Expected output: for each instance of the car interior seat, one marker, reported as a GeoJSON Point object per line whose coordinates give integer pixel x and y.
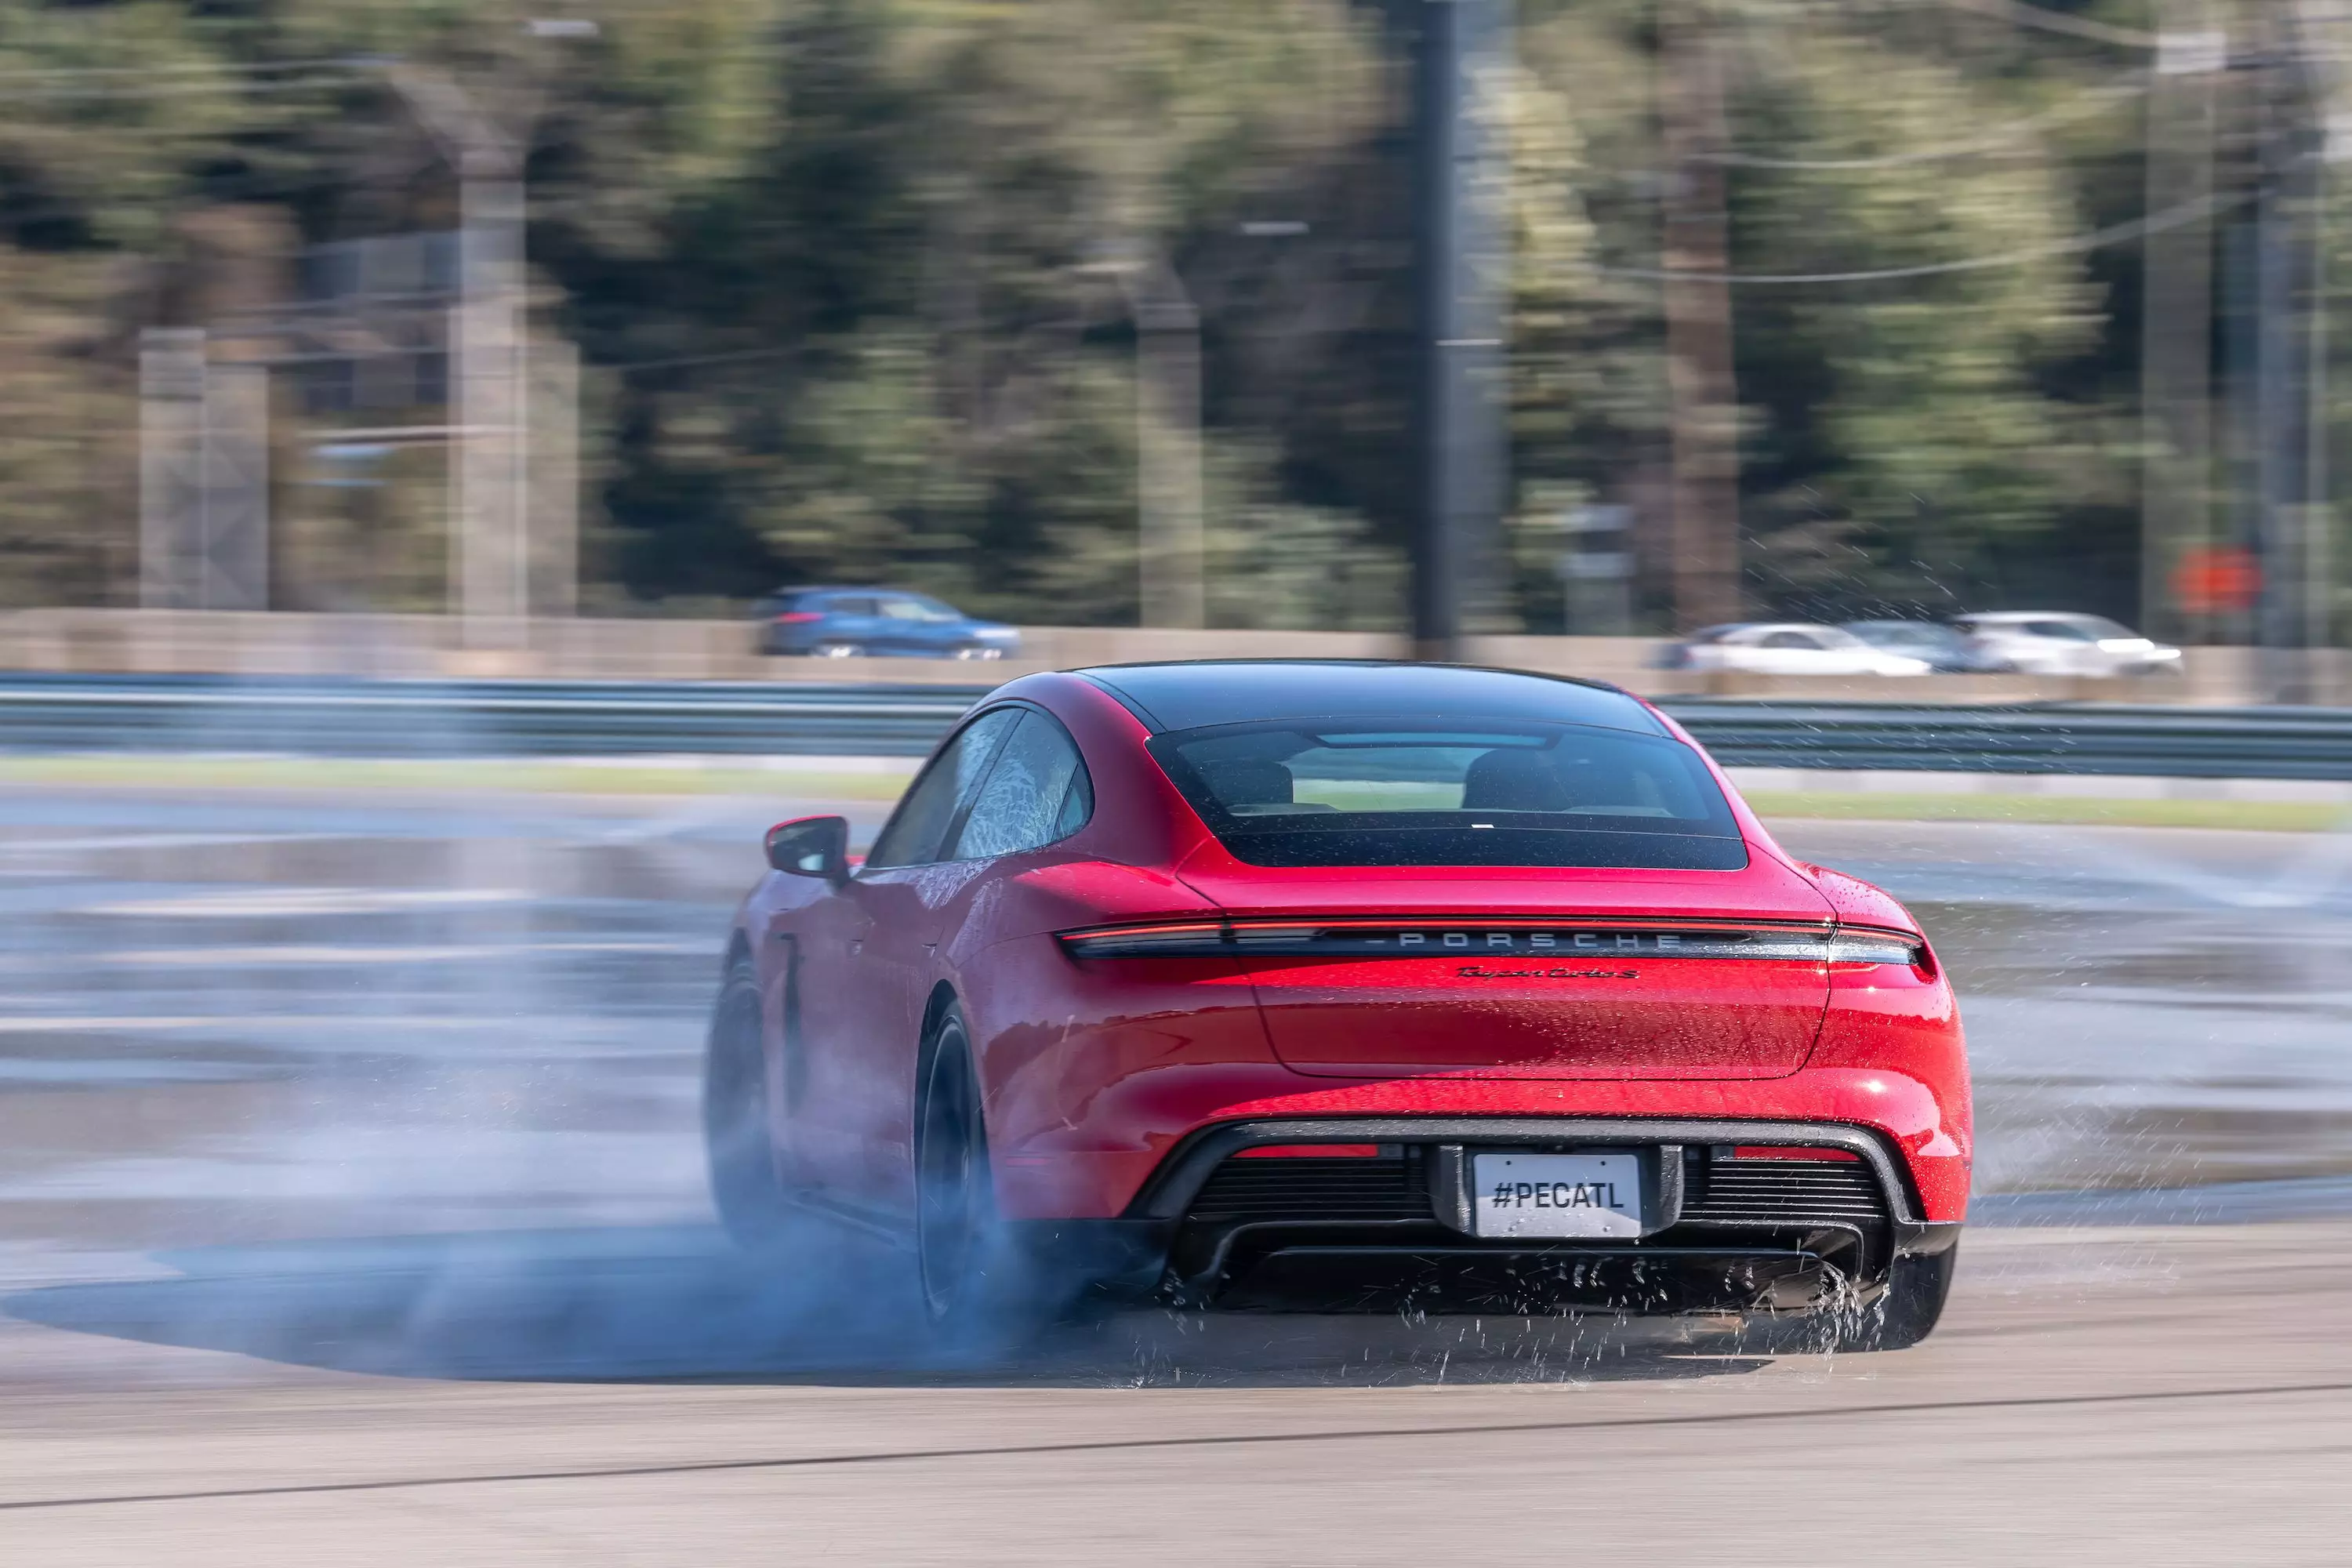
{"type": "Point", "coordinates": [1514, 780]}
{"type": "Point", "coordinates": [1254, 786]}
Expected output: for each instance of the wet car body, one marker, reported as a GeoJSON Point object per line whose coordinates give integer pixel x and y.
{"type": "Point", "coordinates": [1242, 1031]}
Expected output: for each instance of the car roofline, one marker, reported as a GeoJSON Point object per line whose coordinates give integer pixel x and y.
{"type": "Point", "coordinates": [1582, 681]}
{"type": "Point", "coordinates": [1095, 675]}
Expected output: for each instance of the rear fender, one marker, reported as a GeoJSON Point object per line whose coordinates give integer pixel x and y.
{"type": "Point", "coordinates": [1077, 1061]}
{"type": "Point", "coordinates": [1894, 1031]}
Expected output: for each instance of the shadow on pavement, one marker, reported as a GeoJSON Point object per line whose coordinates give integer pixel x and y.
{"type": "Point", "coordinates": [679, 1304]}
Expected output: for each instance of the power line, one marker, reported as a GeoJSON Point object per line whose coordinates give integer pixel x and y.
{"type": "Point", "coordinates": [191, 67]}
{"type": "Point", "coordinates": [2058, 22]}
{"type": "Point", "coordinates": [2119, 234]}
{"type": "Point", "coordinates": [630, 367]}
{"type": "Point", "coordinates": [111, 93]}
{"type": "Point", "coordinates": [211, 191]}
{"type": "Point", "coordinates": [2000, 136]}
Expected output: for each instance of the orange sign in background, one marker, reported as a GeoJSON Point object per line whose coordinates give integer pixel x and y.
{"type": "Point", "coordinates": [2216, 580]}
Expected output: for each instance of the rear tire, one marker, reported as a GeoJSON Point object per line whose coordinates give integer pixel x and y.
{"type": "Point", "coordinates": [735, 1133]}
{"type": "Point", "coordinates": [965, 1270]}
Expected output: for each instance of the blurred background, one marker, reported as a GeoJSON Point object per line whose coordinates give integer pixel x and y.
{"type": "Point", "coordinates": [1611, 318]}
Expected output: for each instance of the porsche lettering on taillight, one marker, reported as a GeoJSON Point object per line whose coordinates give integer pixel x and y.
{"type": "Point", "coordinates": [1517, 938]}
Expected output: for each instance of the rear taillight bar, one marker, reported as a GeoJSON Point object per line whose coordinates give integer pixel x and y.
{"type": "Point", "coordinates": [1316, 1151]}
{"type": "Point", "coordinates": [1786, 1151]}
{"type": "Point", "coordinates": [1517, 938]}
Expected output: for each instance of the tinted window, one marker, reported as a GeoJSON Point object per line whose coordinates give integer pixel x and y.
{"type": "Point", "coordinates": [2060, 631]}
{"type": "Point", "coordinates": [844, 606]}
{"type": "Point", "coordinates": [924, 818]}
{"type": "Point", "coordinates": [1791, 639]}
{"type": "Point", "coordinates": [904, 609]}
{"type": "Point", "coordinates": [1189, 696]}
{"type": "Point", "coordinates": [1038, 792]}
{"type": "Point", "coordinates": [1387, 793]}
{"type": "Point", "coordinates": [1905, 634]}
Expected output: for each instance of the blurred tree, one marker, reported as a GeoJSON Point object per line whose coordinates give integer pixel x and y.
{"type": "Point", "coordinates": [841, 272]}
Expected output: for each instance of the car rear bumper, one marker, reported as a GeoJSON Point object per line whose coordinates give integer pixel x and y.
{"type": "Point", "coordinates": [1388, 1233]}
{"type": "Point", "coordinates": [1097, 1163]}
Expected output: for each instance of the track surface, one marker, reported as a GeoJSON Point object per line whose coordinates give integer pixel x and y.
{"type": "Point", "coordinates": [2182, 1396]}
{"type": "Point", "coordinates": [350, 1211]}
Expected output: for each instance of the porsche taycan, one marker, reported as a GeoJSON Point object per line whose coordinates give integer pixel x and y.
{"type": "Point", "coordinates": [1255, 985]}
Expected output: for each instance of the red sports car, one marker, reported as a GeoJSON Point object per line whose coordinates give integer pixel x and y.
{"type": "Point", "coordinates": [1333, 984]}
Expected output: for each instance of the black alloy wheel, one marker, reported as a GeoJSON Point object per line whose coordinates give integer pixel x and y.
{"type": "Point", "coordinates": [735, 1135]}
{"type": "Point", "coordinates": [955, 1208]}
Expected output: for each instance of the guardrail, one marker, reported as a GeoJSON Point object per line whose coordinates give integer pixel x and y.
{"type": "Point", "coordinates": [2069, 737]}
{"type": "Point", "coordinates": [430, 719]}
{"type": "Point", "coordinates": [445, 719]}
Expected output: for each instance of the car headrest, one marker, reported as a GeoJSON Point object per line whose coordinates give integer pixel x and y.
{"type": "Point", "coordinates": [1514, 780]}
{"type": "Point", "coordinates": [1248, 781]}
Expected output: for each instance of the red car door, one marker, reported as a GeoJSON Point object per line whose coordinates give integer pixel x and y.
{"type": "Point", "coordinates": [865, 961]}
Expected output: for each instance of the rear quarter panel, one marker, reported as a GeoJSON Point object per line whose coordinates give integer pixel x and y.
{"type": "Point", "coordinates": [1090, 1071]}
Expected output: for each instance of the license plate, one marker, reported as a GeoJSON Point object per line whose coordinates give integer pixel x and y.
{"type": "Point", "coordinates": [1558, 1195]}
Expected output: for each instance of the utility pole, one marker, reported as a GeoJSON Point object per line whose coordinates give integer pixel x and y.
{"type": "Point", "coordinates": [1172, 535]}
{"type": "Point", "coordinates": [489, 483]}
{"type": "Point", "coordinates": [2288, 388]}
{"type": "Point", "coordinates": [493, 481]}
{"type": "Point", "coordinates": [171, 461]}
{"type": "Point", "coordinates": [2325, 29]}
{"type": "Point", "coordinates": [204, 477]}
{"type": "Point", "coordinates": [233, 547]}
{"type": "Point", "coordinates": [1461, 49]}
{"type": "Point", "coordinates": [2176, 313]}
{"type": "Point", "coordinates": [553, 367]}
{"type": "Point", "coordinates": [1701, 382]}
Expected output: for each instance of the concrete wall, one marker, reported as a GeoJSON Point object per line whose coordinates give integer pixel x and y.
{"type": "Point", "coordinates": [428, 647]}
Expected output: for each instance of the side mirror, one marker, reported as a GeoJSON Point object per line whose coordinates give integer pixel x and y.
{"type": "Point", "coordinates": [812, 846]}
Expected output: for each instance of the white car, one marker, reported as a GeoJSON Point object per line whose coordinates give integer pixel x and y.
{"type": "Point", "coordinates": [1792, 647]}
{"type": "Point", "coordinates": [2067, 644]}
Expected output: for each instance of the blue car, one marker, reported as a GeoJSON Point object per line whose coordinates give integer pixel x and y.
{"type": "Point", "coordinates": [877, 623]}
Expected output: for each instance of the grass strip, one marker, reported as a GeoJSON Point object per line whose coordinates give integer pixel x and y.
{"type": "Point", "coordinates": [2271, 817]}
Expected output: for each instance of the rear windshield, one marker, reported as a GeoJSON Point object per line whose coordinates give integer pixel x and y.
{"type": "Point", "coordinates": [1373, 792]}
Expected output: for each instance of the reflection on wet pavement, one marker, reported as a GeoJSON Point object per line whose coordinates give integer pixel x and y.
{"type": "Point", "coordinates": [238, 1021]}
{"type": "Point", "coordinates": [2146, 1007]}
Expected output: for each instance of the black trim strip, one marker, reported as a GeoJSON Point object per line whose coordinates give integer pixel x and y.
{"type": "Point", "coordinates": [1170, 1190]}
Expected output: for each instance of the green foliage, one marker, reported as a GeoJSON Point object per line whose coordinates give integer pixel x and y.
{"type": "Point", "coordinates": [848, 275]}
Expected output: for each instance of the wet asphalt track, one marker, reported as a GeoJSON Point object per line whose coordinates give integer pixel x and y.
{"type": "Point", "coordinates": [350, 1208]}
